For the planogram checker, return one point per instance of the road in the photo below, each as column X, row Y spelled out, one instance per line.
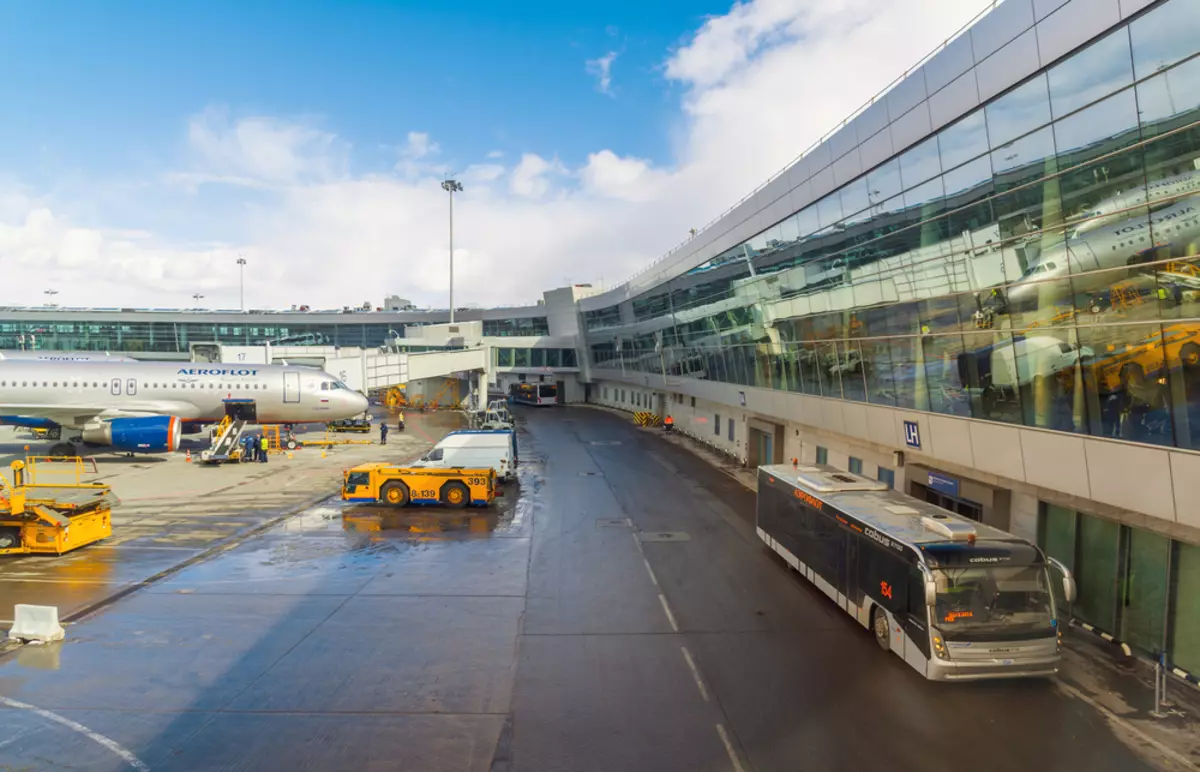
column 617, row 614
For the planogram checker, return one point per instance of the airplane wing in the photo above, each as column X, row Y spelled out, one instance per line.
column 76, row 416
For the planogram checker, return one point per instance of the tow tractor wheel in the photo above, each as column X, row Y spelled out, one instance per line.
column 394, row 493
column 455, row 495
column 9, row 538
column 62, row 449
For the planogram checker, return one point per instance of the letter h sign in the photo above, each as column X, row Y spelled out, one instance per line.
column 912, row 435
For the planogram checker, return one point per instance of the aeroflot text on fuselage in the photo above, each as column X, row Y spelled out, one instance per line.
column 199, row 371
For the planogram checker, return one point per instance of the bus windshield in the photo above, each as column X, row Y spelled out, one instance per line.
column 992, row 599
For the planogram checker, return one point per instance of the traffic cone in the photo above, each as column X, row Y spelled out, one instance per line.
column 188, row 457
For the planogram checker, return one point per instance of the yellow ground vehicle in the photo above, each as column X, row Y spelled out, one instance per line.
column 1126, row 365
column 380, row 483
column 52, row 518
column 362, row 425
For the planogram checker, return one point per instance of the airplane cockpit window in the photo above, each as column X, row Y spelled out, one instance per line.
column 324, row 385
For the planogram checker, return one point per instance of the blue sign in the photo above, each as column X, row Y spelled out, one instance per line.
column 943, row 483
column 912, row 434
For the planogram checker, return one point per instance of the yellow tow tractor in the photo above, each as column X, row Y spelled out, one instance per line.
column 361, row 424
column 380, row 483
column 52, row 518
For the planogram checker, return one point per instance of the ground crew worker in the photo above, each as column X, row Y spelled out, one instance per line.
column 262, row 449
column 400, row 422
column 383, row 430
column 669, row 423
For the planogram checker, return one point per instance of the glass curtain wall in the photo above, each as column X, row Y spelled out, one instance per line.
column 1033, row 263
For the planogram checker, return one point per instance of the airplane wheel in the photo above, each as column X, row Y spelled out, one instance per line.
column 1189, row 354
column 62, row 449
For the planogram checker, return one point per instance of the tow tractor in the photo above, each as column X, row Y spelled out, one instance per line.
column 381, row 483
column 361, row 424
column 52, row 518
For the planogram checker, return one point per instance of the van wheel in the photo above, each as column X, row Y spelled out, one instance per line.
column 10, row 538
column 394, row 493
column 883, row 632
column 455, row 495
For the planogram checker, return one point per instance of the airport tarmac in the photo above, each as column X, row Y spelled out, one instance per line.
column 173, row 512
column 614, row 611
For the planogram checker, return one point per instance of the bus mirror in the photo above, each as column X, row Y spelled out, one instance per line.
column 1068, row 581
column 930, row 592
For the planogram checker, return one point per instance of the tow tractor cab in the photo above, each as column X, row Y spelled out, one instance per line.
column 955, row 599
column 381, row 483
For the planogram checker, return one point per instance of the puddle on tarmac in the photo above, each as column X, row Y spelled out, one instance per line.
column 427, row 524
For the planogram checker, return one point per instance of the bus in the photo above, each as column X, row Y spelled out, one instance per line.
column 535, row 393
column 955, row 599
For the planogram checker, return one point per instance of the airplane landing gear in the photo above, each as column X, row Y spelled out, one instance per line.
column 63, row 449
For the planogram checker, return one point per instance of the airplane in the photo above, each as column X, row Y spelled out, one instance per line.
column 1119, row 244
column 142, row 407
column 63, row 356
column 1120, row 206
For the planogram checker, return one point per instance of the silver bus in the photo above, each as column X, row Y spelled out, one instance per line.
column 955, row 599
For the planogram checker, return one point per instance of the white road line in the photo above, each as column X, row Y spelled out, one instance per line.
column 695, row 672
column 637, row 542
column 737, row 765
column 653, row 578
column 670, row 617
column 100, row 739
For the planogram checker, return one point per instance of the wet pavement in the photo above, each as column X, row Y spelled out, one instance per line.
column 616, row 612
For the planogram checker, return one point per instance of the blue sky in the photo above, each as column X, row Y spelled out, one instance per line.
column 104, row 86
column 145, row 146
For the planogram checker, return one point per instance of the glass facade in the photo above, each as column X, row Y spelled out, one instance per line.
column 1134, row 584
column 78, row 333
column 534, row 357
column 508, row 328
column 1035, row 262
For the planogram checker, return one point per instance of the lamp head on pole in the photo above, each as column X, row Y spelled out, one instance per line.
column 452, row 186
column 241, row 261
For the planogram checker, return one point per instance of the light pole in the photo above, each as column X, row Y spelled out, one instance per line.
column 452, row 186
column 196, row 297
column 50, row 293
column 241, row 263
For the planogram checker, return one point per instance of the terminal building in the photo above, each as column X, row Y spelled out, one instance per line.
column 981, row 289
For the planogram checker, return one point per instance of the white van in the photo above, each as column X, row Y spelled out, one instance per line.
column 473, row 449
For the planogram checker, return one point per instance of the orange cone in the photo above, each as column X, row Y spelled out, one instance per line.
column 188, row 457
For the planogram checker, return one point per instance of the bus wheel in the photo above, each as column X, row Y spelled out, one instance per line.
column 455, row 495
column 394, row 493
column 1189, row 354
column 882, row 628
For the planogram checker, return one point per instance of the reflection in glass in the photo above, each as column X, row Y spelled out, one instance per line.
column 920, row 163
column 1127, row 390
column 1018, row 112
column 1092, row 74
column 884, row 182
column 1170, row 93
column 1164, row 36
column 963, row 141
column 829, row 210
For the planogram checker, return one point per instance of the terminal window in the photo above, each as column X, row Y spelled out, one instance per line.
column 855, row 465
column 717, row 424
column 887, row 476
column 822, row 455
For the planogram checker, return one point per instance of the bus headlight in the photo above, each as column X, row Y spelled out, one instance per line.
column 939, row 646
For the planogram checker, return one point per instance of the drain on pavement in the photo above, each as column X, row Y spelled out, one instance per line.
column 613, row 522
column 590, row 474
column 605, row 442
column 663, row 536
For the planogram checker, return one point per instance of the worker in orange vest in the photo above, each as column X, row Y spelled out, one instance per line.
column 669, row 424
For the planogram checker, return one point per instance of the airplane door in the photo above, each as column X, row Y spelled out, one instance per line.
column 131, row 386
column 116, row 387
column 291, row 387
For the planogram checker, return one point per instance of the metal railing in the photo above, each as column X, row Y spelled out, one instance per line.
column 824, row 137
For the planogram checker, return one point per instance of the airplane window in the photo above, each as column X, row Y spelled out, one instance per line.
column 24, row 383
column 75, row 385
column 324, row 386
column 56, row 384
column 44, row 384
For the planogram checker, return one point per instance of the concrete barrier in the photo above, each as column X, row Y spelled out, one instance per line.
column 36, row 623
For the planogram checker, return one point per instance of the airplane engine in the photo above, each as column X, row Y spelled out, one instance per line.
column 149, row 434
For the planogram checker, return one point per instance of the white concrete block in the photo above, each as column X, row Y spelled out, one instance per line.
column 36, row 623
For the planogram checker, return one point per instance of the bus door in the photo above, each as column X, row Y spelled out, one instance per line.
column 291, row 387
column 849, row 576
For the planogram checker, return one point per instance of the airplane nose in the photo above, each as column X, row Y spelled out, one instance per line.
column 359, row 403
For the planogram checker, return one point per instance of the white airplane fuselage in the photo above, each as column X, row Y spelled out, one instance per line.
column 77, row 394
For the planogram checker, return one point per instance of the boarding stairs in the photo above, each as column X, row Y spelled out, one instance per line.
column 228, row 442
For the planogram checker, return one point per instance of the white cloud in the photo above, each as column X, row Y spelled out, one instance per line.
column 531, row 177
column 759, row 85
column 601, row 70
column 261, row 151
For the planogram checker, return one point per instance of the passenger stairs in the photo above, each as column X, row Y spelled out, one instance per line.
column 227, row 445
